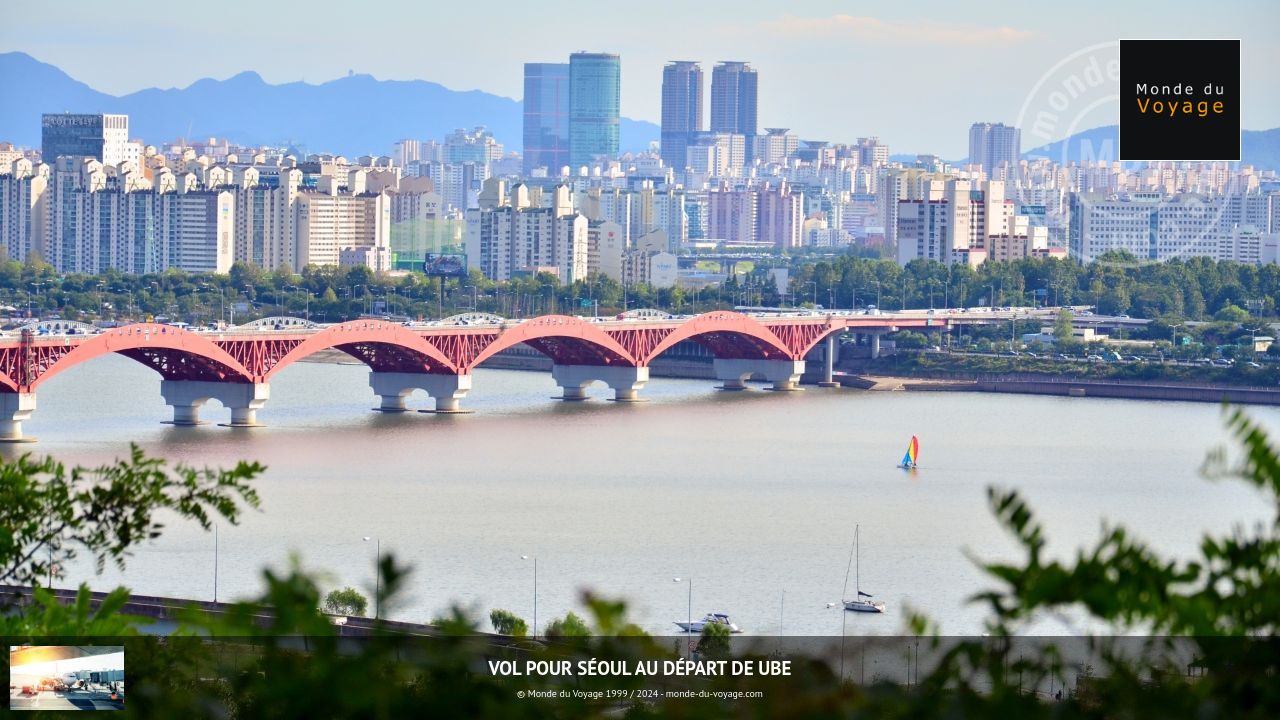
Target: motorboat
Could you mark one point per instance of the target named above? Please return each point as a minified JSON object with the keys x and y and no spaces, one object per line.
{"x":709,"y":619}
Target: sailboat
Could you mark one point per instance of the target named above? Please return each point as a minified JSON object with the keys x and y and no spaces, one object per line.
{"x":913,"y":452}
{"x":858,"y":603}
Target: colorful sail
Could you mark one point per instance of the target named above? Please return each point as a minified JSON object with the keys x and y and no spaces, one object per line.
{"x":913,"y":452}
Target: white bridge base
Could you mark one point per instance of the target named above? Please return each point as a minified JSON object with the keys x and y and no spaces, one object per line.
{"x":14,"y":409}
{"x":625,"y":381}
{"x":395,"y":387}
{"x":187,"y":397}
{"x":784,"y":374}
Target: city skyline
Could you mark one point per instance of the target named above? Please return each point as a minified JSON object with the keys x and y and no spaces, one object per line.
{"x":815,"y":60}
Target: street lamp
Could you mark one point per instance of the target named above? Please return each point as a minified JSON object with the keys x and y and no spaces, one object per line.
{"x":815,"y":293}
{"x":689,"y":626}
{"x":377,"y":588}
{"x":535,"y":592}
{"x":215,"y":562}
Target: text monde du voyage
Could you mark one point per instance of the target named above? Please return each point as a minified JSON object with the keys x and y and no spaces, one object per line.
{"x":1181,"y":99}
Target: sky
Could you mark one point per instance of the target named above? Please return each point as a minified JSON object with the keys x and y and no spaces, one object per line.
{"x":915,"y":74}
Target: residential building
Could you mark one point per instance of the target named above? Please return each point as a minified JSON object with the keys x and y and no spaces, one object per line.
{"x":507,"y":234}
{"x":681,"y":110}
{"x":994,"y":145}
{"x":734,"y":101}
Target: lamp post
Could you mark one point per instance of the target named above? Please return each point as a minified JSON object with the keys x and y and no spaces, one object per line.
{"x":215,"y":562}
{"x":689,"y":626}
{"x":377,"y":588}
{"x":815,"y":293}
{"x":534,"y":558}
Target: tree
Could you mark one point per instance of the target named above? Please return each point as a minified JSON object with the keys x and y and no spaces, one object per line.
{"x":506,"y":622}
{"x":1232,"y":313}
{"x":347,"y":601}
{"x":1063,"y":325}
{"x":714,"y":641}
{"x":570,"y":626}
{"x":49,"y":515}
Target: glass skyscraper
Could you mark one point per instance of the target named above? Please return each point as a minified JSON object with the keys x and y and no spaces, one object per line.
{"x":734,"y":101}
{"x":595,"y":81}
{"x":681,"y":110}
{"x":546,"y":116}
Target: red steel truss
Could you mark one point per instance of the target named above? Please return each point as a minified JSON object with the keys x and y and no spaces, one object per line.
{"x":254,"y":355}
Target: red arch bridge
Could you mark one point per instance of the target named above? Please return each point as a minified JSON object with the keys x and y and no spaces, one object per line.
{"x":235,"y":365}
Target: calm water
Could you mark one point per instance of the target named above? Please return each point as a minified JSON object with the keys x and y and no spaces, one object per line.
{"x":750,"y":494}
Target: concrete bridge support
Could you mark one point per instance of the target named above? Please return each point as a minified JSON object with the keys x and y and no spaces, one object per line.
{"x":875,"y":345}
{"x":15,"y":408}
{"x":784,"y":374}
{"x":625,"y":381}
{"x":395,"y":387}
{"x":187,"y":397}
{"x":829,"y":362}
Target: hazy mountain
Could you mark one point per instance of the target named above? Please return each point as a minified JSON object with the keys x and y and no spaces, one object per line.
{"x":1259,"y":148}
{"x":353,"y":115}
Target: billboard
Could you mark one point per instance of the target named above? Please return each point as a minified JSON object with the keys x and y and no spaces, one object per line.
{"x":445,"y":265}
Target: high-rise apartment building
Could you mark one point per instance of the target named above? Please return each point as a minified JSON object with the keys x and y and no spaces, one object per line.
{"x":595,"y":82}
{"x":546,"y":117}
{"x":734,"y":102}
{"x":681,"y":110}
{"x":329,"y":222}
{"x":508,"y":233}
{"x":994,"y":145}
{"x":102,"y":137}
{"x":22,"y":211}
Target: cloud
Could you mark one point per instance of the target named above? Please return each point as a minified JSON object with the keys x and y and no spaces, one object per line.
{"x":870,"y":30}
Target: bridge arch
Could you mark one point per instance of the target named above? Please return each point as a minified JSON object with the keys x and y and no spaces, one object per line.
{"x":566,"y":340}
{"x":382,"y":345}
{"x":175,"y":353}
{"x":728,"y":335}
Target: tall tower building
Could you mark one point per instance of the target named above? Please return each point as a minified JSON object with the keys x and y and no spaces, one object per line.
{"x":546,"y":116}
{"x":595,"y":82}
{"x":994,"y":144}
{"x":681,"y":110}
{"x":734,"y":103}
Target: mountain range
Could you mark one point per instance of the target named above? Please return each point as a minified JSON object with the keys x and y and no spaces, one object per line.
{"x":346,"y":115}
{"x":1259,"y":148}
{"x":353,"y":115}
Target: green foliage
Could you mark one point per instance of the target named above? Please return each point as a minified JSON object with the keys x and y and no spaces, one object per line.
{"x":50,"y":515}
{"x":570,"y":626}
{"x":506,"y":622}
{"x":1063,"y":326}
{"x":1232,"y":314}
{"x":714,"y":641}
{"x":347,"y":601}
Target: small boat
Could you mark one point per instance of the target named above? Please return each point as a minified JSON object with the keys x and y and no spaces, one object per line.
{"x":708,"y":619}
{"x":861,"y":601}
{"x":913,"y":452}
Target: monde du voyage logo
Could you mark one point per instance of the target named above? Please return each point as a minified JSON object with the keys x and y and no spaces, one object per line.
{"x":1180,"y":99}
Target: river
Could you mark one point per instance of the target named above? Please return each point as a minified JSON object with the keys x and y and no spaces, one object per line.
{"x":753,"y":495}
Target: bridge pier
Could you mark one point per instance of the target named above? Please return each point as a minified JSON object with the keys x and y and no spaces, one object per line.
{"x":626,"y":381}
{"x":875,"y":345}
{"x":394,"y":388}
{"x":188,"y":396}
{"x":14,"y":409}
{"x":734,"y":372}
{"x":829,"y":362}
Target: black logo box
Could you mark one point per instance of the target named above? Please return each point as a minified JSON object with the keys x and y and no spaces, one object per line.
{"x":1185,"y":65}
